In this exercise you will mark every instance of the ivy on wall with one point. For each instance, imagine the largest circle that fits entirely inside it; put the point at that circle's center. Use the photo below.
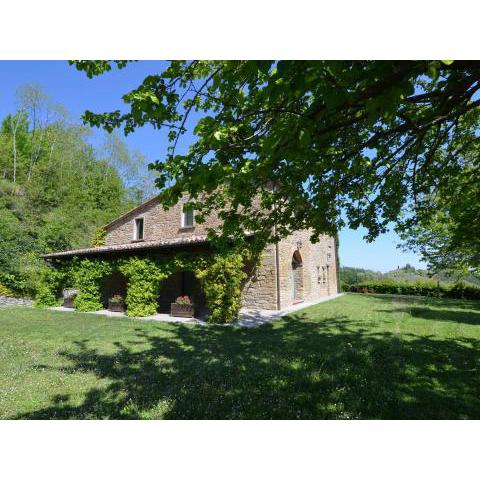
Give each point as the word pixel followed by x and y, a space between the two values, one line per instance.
pixel 143 276
pixel 88 276
pixel 50 283
pixel 220 275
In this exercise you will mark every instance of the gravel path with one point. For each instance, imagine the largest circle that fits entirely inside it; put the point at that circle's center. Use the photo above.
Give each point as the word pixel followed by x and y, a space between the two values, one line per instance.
pixel 15 302
pixel 248 317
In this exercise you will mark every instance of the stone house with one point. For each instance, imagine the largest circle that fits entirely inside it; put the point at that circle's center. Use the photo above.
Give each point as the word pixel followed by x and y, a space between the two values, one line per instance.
pixel 291 271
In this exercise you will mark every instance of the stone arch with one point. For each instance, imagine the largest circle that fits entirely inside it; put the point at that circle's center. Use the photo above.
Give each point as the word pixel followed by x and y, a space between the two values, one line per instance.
pixel 297 277
pixel 116 283
pixel 182 282
pixel 297 257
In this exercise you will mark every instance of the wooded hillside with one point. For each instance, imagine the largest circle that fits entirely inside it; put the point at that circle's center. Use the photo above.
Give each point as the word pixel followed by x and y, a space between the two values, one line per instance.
pixel 56 188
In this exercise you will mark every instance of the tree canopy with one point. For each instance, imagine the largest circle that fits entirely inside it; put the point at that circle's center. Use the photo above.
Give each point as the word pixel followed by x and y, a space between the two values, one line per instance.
pixel 445 228
pixel 357 143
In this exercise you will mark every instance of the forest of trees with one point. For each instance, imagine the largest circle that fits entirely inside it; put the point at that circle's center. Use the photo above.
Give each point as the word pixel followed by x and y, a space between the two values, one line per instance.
pixel 56 188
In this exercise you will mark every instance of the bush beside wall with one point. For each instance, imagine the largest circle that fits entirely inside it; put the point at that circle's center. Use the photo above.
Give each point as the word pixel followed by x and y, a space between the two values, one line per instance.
pixel 49 285
pixel 222 284
pixel 5 292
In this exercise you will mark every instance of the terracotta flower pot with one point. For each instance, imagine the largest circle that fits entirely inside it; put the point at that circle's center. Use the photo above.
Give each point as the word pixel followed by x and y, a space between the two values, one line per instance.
pixel 180 310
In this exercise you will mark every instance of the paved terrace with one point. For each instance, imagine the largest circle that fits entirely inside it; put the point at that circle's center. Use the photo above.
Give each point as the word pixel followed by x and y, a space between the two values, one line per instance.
pixel 248 317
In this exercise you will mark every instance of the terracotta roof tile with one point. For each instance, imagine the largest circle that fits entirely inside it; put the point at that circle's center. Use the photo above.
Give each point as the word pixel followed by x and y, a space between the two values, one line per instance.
pixel 134 246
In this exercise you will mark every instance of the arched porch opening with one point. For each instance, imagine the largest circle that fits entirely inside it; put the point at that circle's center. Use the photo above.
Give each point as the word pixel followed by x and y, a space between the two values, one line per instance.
pixel 182 283
pixel 114 284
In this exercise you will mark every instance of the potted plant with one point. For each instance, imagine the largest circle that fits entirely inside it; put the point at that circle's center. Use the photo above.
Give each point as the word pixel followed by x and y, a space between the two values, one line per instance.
pixel 69 295
pixel 116 303
pixel 183 307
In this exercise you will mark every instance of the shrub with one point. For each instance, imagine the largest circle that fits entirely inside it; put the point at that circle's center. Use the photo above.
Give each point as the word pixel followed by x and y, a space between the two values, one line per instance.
pixel 16 284
pixel 463 290
pixel 222 284
pixel 5 292
pixel 425 288
pixel 49 285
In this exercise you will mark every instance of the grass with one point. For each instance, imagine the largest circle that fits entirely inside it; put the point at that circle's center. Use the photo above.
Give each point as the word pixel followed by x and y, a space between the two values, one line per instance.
pixel 359 356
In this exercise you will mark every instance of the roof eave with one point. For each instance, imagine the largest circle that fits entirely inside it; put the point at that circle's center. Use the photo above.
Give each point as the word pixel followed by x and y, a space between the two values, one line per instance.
pixel 125 248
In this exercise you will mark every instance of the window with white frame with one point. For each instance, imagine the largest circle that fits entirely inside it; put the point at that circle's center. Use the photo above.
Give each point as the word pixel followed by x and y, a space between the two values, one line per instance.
pixel 187 217
pixel 139 223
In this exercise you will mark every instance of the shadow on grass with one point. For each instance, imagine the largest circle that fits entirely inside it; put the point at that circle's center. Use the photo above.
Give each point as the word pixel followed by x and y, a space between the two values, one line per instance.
pixel 295 368
pixel 463 311
pixel 439 315
pixel 424 300
pixel 458 316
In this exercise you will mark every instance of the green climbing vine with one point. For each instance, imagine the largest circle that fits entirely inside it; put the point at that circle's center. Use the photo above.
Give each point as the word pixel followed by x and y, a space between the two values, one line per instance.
pixel 222 284
pixel 143 276
pixel 88 276
pixel 49 285
pixel 220 275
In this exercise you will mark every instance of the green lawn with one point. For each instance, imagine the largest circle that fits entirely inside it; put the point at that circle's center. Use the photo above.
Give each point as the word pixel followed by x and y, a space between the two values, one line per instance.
pixel 357 356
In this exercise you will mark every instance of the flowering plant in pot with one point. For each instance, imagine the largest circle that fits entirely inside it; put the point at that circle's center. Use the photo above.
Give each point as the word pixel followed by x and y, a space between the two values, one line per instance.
pixel 182 307
pixel 116 303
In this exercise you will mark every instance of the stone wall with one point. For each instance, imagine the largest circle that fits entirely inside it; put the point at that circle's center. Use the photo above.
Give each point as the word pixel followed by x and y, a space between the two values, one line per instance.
pixel 159 224
pixel 319 267
pixel 316 278
pixel 15 302
pixel 260 290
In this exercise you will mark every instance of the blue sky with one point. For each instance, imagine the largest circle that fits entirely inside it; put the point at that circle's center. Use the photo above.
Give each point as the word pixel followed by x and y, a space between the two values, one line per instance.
pixel 77 93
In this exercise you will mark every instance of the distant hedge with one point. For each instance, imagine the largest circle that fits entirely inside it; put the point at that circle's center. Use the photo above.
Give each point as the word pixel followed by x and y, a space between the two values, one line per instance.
pixel 429 288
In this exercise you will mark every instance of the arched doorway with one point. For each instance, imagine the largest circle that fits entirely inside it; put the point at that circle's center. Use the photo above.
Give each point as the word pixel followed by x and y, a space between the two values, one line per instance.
pixel 182 283
pixel 297 277
pixel 114 284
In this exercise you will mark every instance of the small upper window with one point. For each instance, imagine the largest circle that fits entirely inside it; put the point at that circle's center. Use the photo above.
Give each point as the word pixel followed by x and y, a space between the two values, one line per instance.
pixel 187 217
pixel 139 229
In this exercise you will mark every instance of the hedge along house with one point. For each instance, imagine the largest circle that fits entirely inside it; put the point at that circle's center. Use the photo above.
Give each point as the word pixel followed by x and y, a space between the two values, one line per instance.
pixel 155 255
